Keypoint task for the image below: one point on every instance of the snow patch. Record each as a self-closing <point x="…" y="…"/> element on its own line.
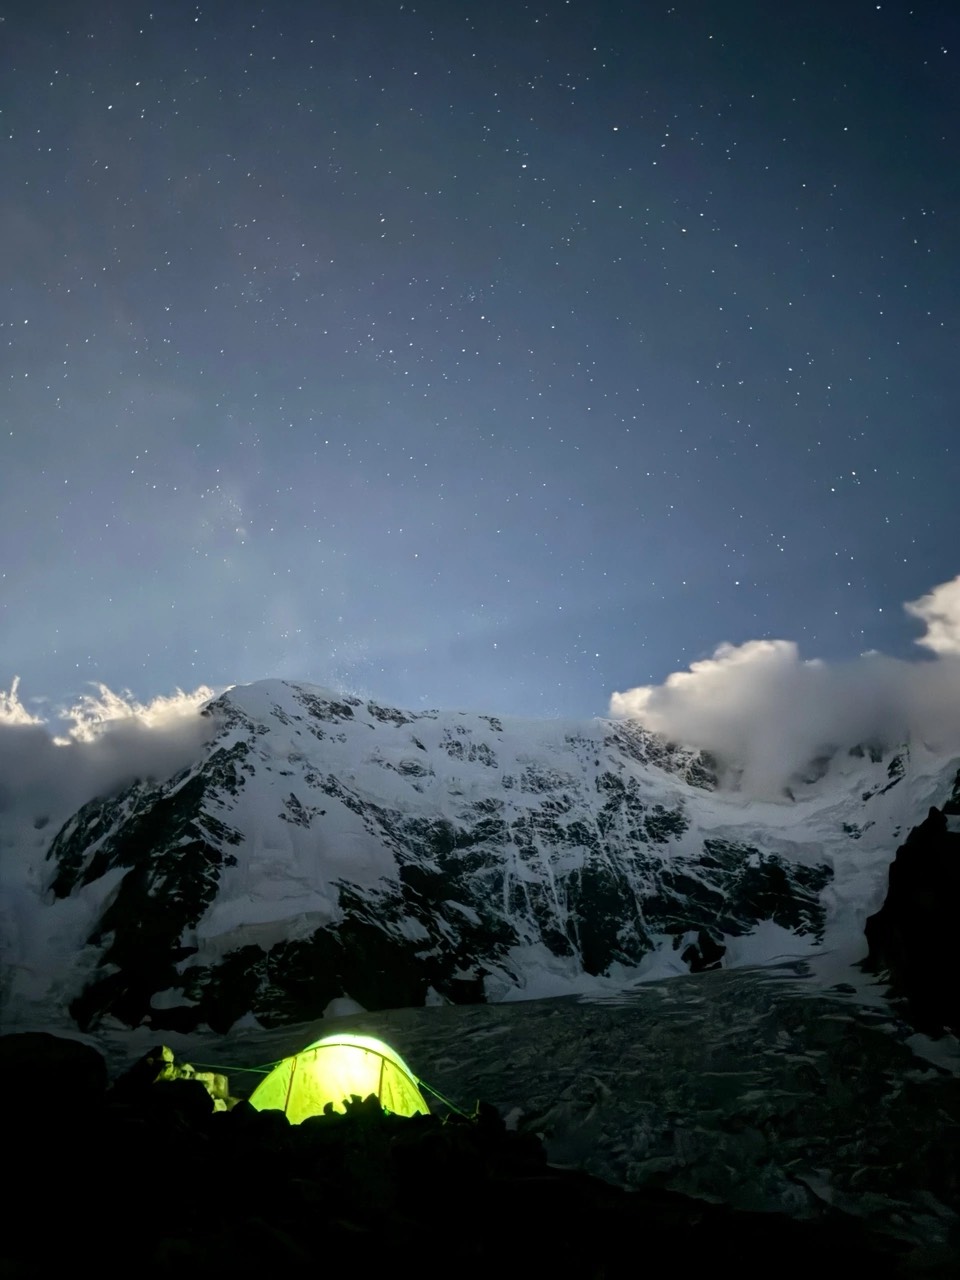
<point x="342" y="1007"/>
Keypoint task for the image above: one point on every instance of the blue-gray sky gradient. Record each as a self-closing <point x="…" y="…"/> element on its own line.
<point x="473" y="355"/>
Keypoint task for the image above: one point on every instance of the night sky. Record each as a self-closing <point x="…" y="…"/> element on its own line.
<point x="471" y="354"/>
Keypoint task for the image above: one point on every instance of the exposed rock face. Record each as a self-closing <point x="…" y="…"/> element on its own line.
<point x="913" y="937"/>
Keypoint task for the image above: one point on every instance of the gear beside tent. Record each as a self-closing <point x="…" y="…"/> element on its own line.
<point x="331" y="1071"/>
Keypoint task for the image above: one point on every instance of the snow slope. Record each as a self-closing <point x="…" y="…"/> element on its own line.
<point x="324" y="847"/>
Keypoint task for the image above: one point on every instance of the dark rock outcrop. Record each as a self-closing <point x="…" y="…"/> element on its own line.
<point x="913" y="938"/>
<point x="40" y="1066"/>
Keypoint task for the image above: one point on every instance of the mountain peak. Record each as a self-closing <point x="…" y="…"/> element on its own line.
<point x="324" y="846"/>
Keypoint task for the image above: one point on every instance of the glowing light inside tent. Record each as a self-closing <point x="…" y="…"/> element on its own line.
<point x="334" y="1069"/>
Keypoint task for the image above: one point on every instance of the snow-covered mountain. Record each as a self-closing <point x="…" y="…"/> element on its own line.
<point x="324" y="847"/>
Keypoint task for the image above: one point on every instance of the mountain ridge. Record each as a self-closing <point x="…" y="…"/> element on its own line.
<point x="325" y="846"/>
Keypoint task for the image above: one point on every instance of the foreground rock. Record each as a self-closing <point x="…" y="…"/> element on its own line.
<point x="913" y="937"/>
<point x="151" y="1175"/>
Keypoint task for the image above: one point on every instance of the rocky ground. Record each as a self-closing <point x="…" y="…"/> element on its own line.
<point x="158" y="1172"/>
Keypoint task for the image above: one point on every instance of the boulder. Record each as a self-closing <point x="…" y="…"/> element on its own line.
<point x="36" y="1064"/>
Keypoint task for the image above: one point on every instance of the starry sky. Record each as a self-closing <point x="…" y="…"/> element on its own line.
<point x="478" y="354"/>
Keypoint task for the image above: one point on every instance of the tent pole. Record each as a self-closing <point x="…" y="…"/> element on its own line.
<point x="293" y="1070"/>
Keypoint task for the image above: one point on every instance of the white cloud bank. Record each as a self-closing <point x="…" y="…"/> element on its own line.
<point x="940" y="610"/>
<point x="761" y="708"/>
<point x="104" y="741"/>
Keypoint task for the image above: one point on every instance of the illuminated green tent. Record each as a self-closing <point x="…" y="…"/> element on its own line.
<point x="335" y="1069"/>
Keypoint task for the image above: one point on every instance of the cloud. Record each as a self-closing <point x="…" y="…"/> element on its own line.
<point x="48" y="768"/>
<point x="94" y="717"/>
<point x="940" y="610"/>
<point x="12" y="710"/>
<point x="761" y="708"/>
